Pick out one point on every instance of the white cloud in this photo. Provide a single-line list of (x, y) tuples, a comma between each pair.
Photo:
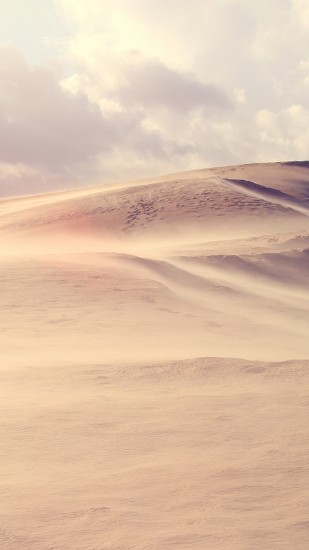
[(149, 86), (301, 11), (49, 133), (285, 131), (40, 123)]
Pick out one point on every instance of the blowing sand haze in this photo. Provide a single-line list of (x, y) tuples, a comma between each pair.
[(155, 363)]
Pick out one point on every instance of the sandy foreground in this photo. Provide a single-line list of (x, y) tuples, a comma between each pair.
[(155, 364)]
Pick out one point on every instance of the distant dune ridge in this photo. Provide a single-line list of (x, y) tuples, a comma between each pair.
[(128, 421)]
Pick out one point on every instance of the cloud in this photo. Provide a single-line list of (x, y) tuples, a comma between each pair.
[(285, 131), (151, 84), (49, 134), (148, 87), (42, 124)]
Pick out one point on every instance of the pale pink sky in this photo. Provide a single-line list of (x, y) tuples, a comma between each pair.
[(98, 91)]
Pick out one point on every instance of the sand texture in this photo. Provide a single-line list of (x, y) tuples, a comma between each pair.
[(155, 363)]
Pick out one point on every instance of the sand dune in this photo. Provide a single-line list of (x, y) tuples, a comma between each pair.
[(128, 422), (201, 201)]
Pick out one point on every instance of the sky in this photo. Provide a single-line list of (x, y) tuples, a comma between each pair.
[(93, 91)]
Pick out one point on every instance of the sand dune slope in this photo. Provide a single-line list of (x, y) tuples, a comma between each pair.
[(202, 201), (127, 422)]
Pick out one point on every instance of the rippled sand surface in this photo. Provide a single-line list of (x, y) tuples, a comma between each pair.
[(155, 364)]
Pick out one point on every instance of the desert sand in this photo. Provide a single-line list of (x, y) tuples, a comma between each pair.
[(155, 363)]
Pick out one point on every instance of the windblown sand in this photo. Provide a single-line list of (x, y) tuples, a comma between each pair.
[(155, 364)]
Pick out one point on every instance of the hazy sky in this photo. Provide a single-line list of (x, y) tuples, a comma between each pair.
[(94, 90)]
